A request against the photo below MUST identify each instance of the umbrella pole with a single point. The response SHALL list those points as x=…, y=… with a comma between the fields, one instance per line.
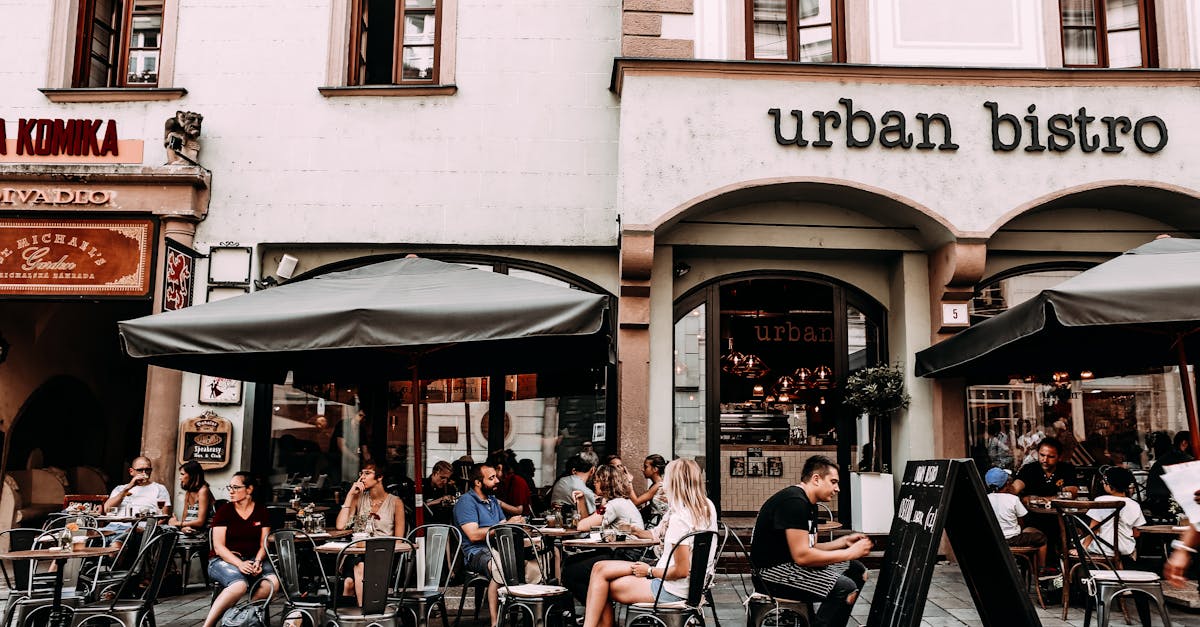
x=1189, y=396
x=418, y=443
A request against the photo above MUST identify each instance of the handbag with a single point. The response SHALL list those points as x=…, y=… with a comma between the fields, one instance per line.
x=246, y=614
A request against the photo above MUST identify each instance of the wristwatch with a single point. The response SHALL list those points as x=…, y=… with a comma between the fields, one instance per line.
x=650, y=573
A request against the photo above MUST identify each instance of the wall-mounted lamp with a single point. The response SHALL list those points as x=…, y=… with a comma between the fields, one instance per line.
x=681, y=269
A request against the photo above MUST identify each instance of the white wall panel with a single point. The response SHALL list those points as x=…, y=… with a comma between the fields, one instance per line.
x=995, y=33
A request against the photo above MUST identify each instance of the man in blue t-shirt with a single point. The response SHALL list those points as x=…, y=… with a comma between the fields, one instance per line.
x=477, y=510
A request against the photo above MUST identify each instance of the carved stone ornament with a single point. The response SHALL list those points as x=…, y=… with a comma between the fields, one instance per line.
x=182, y=138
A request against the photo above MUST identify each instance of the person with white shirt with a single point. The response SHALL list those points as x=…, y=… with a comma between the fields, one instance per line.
x=1010, y=514
x=140, y=495
x=1117, y=482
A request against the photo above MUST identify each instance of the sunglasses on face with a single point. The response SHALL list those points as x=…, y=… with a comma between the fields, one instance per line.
x=146, y=469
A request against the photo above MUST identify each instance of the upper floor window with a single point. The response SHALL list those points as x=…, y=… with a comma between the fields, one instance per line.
x=796, y=30
x=1108, y=33
x=118, y=43
x=393, y=42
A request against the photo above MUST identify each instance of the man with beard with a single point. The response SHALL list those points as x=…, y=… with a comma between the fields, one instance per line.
x=477, y=510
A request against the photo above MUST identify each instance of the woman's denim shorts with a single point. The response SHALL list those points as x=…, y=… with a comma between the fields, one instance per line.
x=226, y=574
x=666, y=596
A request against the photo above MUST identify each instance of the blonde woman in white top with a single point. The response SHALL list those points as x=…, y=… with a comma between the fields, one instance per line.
x=636, y=582
x=368, y=498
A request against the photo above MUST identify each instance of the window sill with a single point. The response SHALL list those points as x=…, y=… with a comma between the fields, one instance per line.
x=389, y=90
x=112, y=94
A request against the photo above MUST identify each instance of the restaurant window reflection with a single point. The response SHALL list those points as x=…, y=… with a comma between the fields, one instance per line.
x=1100, y=421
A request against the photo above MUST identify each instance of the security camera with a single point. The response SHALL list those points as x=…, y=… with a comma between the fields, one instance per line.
x=287, y=266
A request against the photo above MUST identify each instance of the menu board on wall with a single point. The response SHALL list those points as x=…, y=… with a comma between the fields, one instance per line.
x=76, y=257
x=205, y=439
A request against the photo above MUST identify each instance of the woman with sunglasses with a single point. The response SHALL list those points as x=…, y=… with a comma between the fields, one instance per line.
x=237, y=558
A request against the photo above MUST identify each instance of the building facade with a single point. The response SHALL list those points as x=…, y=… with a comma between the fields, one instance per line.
x=819, y=184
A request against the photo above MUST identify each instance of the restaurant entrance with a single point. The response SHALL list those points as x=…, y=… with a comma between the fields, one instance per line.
x=760, y=359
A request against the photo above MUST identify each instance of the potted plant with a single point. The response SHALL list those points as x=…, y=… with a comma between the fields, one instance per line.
x=875, y=392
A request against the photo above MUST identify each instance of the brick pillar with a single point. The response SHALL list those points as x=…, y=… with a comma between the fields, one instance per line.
x=633, y=344
x=160, y=418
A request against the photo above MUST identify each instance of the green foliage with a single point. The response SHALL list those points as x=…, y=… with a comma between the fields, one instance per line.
x=877, y=391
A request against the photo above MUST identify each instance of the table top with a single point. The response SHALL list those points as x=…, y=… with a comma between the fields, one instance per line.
x=559, y=532
x=588, y=543
x=47, y=554
x=829, y=526
x=112, y=518
x=1172, y=530
x=333, y=548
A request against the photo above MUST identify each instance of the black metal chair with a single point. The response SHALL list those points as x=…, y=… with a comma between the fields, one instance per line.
x=441, y=545
x=1103, y=577
x=60, y=520
x=188, y=549
x=27, y=592
x=509, y=545
x=379, y=559
x=105, y=578
x=132, y=605
x=305, y=587
x=690, y=611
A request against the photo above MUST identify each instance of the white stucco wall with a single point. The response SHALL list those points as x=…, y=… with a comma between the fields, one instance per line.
x=524, y=153
x=685, y=137
x=971, y=32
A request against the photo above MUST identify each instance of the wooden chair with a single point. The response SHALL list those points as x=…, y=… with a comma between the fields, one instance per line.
x=1070, y=563
x=1029, y=556
x=1104, y=578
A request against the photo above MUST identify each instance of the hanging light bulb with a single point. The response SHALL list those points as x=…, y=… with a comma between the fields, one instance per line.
x=823, y=377
x=754, y=367
x=786, y=385
x=803, y=378
x=732, y=361
x=758, y=390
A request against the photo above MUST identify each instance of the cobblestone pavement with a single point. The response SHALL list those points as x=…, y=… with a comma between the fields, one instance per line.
x=949, y=603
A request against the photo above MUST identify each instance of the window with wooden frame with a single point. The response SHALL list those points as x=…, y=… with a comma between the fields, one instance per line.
x=394, y=42
x=1108, y=33
x=118, y=43
x=812, y=31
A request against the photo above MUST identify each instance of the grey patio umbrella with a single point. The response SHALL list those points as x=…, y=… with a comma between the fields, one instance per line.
x=1127, y=315
x=375, y=322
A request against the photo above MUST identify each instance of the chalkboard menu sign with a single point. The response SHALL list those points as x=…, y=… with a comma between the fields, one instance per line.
x=947, y=495
x=206, y=440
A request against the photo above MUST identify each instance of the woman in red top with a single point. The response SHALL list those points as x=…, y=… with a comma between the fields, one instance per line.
x=238, y=558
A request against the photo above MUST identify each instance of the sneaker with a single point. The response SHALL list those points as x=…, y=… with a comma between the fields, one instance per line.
x=1048, y=573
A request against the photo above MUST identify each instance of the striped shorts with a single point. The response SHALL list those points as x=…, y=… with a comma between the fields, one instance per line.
x=792, y=581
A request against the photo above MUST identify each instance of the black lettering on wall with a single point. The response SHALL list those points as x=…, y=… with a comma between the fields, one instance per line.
x=851, y=117
x=1112, y=124
x=1035, y=144
x=894, y=135
x=1006, y=118
x=822, y=116
x=1141, y=141
x=1081, y=121
x=1059, y=126
x=927, y=120
x=798, y=139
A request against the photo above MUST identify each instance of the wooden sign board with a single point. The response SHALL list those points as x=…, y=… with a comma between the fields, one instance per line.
x=205, y=439
x=947, y=495
x=76, y=257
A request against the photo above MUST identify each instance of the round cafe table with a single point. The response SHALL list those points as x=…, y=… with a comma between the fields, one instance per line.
x=559, y=532
x=627, y=543
x=58, y=618
x=113, y=518
x=334, y=548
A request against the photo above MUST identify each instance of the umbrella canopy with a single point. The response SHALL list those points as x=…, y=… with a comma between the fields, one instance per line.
x=1123, y=316
x=1138, y=311
x=373, y=322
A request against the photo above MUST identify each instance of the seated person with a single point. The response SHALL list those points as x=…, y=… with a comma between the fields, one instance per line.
x=1010, y=513
x=238, y=558
x=439, y=493
x=1176, y=451
x=197, y=500
x=368, y=500
x=1047, y=478
x=788, y=562
x=1117, y=483
x=475, y=512
x=668, y=580
x=139, y=495
x=614, y=508
x=579, y=472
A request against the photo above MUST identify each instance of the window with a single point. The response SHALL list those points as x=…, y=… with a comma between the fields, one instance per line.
x=118, y=43
x=796, y=30
x=393, y=42
x=1108, y=33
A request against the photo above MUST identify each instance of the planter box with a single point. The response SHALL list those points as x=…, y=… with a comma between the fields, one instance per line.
x=873, y=501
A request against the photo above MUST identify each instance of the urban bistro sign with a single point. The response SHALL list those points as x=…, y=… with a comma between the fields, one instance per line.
x=1028, y=131
x=55, y=140
x=75, y=258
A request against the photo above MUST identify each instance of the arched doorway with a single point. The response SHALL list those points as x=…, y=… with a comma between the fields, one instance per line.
x=802, y=334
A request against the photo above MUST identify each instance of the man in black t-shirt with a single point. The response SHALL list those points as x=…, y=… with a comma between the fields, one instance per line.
x=787, y=560
x=1047, y=477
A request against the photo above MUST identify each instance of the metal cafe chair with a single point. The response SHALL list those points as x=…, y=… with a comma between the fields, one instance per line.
x=377, y=609
x=133, y=605
x=508, y=544
x=60, y=520
x=27, y=592
x=103, y=577
x=441, y=545
x=690, y=611
x=1070, y=563
x=1104, y=579
x=302, y=580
